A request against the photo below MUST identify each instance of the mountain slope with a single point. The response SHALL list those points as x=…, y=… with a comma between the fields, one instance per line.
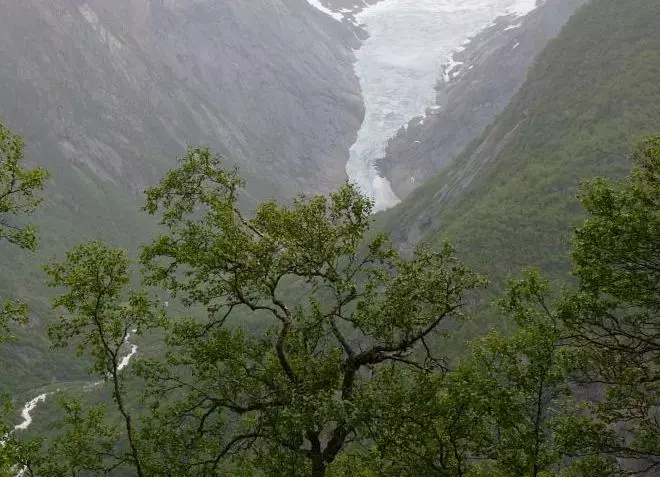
x=473, y=90
x=118, y=83
x=508, y=200
x=108, y=94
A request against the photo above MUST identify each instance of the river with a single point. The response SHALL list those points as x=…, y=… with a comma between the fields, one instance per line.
x=26, y=411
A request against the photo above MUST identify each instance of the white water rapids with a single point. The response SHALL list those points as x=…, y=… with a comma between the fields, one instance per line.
x=399, y=64
x=26, y=412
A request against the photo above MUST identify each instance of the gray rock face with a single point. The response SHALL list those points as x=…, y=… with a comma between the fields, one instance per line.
x=492, y=68
x=118, y=89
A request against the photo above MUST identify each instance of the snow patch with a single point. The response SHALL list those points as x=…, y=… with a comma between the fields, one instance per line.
x=319, y=6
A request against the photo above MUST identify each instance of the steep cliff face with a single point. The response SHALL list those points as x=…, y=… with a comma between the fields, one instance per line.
x=108, y=93
x=117, y=88
x=471, y=92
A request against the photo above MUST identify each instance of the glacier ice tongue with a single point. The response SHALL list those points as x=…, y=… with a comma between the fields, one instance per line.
x=399, y=64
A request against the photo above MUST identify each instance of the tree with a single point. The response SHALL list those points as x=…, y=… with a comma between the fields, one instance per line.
x=18, y=191
x=614, y=316
x=311, y=349
x=492, y=414
x=289, y=390
x=421, y=424
x=18, y=197
x=100, y=314
x=303, y=320
x=524, y=379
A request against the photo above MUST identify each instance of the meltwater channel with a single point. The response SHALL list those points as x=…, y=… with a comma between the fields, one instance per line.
x=399, y=64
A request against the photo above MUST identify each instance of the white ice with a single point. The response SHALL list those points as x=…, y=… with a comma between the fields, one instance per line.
x=399, y=64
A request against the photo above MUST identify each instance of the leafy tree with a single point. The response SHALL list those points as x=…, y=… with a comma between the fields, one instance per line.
x=12, y=311
x=505, y=410
x=316, y=350
x=492, y=415
x=85, y=447
x=284, y=393
x=18, y=191
x=524, y=381
x=614, y=317
x=98, y=314
x=99, y=317
x=422, y=424
x=18, y=197
x=291, y=391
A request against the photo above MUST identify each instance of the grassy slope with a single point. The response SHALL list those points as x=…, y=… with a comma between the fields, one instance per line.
x=509, y=199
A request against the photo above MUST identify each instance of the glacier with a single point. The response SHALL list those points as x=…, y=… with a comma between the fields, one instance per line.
x=410, y=45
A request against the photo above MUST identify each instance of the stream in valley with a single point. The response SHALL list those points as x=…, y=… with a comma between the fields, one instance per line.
x=26, y=411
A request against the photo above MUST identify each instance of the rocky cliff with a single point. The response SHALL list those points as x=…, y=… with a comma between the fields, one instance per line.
x=117, y=89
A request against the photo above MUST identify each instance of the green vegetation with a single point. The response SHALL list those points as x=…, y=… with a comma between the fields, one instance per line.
x=17, y=191
x=19, y=197
x=348, y=380
x=302, y=343
x=614, y=317
x=509, y=199
x=294, y=391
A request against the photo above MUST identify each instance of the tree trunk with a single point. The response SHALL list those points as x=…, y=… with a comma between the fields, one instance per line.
x=318, y=466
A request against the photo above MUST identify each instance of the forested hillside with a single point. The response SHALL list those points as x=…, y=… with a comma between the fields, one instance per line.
x=509, y=199
x=350, y=375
